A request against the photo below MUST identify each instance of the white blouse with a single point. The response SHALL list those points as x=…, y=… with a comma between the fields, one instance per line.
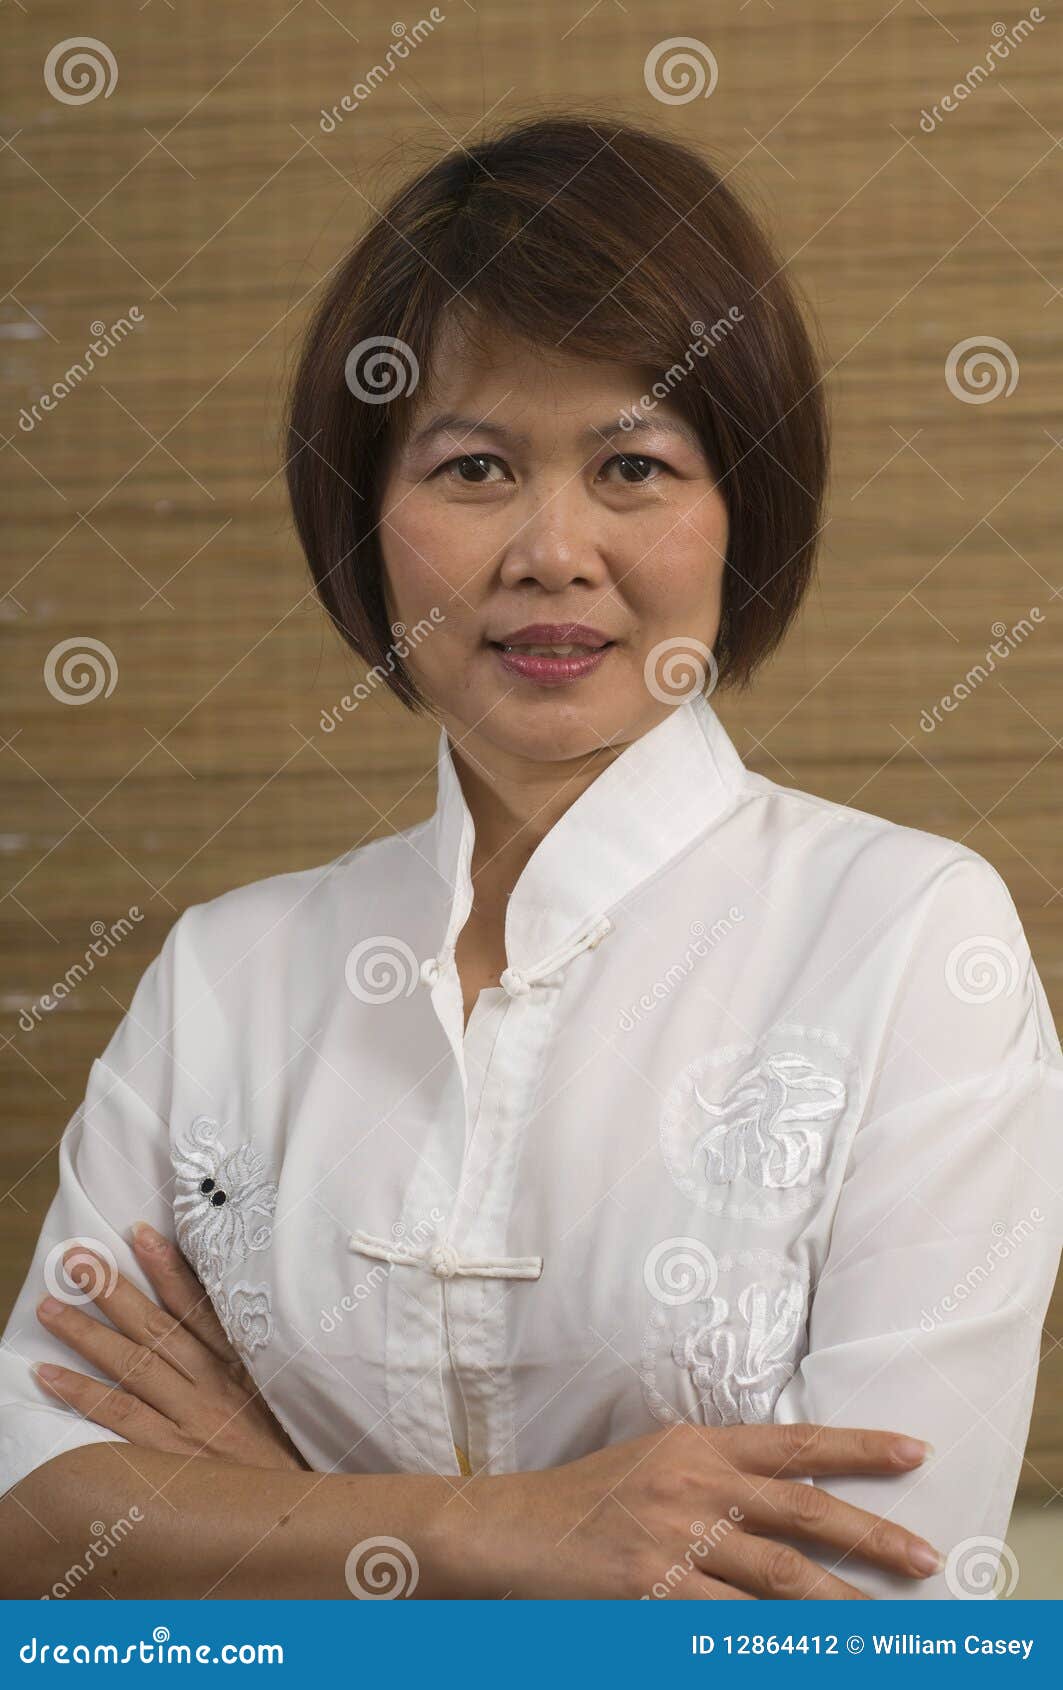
x=763, y=1122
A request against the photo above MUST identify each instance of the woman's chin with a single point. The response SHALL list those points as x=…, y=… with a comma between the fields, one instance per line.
x=553, y=724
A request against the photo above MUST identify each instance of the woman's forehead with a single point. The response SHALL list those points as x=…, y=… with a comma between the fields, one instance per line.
x=513, y=388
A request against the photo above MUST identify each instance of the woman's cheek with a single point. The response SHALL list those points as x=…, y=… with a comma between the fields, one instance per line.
x=686, y=569
x=443, y=657
x=434, y=559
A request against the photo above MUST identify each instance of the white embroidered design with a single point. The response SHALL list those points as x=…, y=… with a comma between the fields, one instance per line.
x=730, y=1354
x=756, y=1130
x=739, y=1365
x=246, y=1314
x=223, y=1208
x=744, y=1129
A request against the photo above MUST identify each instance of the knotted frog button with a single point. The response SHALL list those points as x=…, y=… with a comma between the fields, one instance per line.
x=443, y=1260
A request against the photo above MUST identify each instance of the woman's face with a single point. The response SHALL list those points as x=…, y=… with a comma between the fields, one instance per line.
x=518, y=500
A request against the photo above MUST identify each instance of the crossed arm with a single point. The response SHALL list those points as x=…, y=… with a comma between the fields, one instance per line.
x=223, y=1504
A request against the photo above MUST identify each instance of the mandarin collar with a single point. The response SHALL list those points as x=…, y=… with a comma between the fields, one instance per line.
x=646, y=807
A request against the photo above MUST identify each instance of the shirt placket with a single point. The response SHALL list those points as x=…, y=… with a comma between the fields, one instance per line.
x=414, y=1332
x=447, y=1300
x=480, y=1326
x=478, y=1305
x=440, y=1274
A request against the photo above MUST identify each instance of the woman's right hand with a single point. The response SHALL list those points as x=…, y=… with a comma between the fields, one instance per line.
x=690, y=1512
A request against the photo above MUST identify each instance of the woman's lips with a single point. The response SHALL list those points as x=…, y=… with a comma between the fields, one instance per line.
x=552, y=653
x=546, y=670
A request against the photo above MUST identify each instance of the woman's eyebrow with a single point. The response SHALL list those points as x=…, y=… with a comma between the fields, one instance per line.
x=642, y=425
x=452, y=423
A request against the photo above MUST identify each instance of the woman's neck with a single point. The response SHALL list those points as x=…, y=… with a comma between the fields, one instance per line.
x=513, y=810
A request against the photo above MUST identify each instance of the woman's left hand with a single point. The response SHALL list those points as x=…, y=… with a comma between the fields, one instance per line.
x=179, y=1385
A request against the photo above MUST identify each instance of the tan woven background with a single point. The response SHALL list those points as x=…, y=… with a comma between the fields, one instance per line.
x=146, y=510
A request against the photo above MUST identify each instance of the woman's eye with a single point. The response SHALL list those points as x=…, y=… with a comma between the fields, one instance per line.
x=638, y=464
x=476, y=461
x=473, y=469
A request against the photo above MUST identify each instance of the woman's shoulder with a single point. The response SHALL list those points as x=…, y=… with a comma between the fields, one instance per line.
x=892, y=854
x=940, y=915
x=302, y=911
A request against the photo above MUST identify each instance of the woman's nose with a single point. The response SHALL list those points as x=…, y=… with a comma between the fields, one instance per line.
x=557, y=542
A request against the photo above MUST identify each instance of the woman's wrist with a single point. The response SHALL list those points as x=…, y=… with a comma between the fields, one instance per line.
x=471, y=1536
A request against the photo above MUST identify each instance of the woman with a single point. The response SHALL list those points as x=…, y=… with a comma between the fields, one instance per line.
x=591, y=1187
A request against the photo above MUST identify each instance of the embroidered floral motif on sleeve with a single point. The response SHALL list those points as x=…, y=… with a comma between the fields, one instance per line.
x=734, y=1352
x=223, y=1210
x=744, y=1129
x=246, y=1314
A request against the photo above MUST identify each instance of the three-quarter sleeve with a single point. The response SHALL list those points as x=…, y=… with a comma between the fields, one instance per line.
x=114, y=1169
x=927, y=1314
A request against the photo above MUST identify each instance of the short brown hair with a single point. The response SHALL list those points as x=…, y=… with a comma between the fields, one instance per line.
x=595, y=237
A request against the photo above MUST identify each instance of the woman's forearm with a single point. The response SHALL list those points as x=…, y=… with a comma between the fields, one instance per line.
x=611, y=1524
x=191, y=1526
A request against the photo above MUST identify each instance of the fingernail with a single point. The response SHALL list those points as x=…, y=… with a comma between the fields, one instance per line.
x=46, y=1370
x=146, y=1236
x=911, y=1449
x=925, y=1558
x=50, y=1305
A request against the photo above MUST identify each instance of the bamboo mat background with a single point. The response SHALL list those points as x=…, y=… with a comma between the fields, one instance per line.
x=146, y=510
